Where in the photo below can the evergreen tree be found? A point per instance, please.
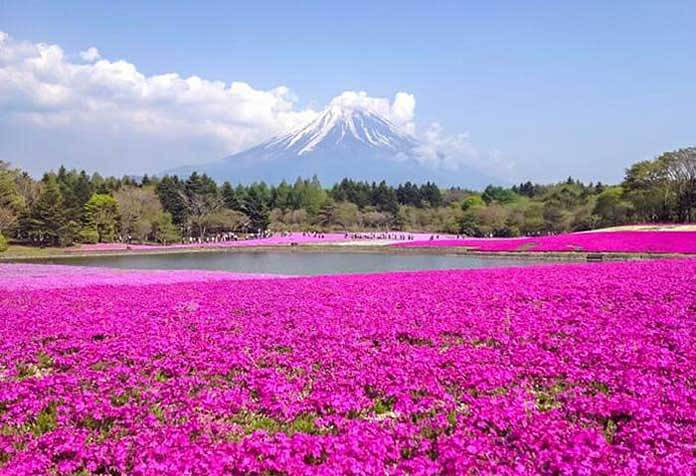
(431, 193)
(45, 223)
(384, 198)
(409, 194)
(229, 197)
(76, 190)
(255, 206)
(281, 196)
(170, 191)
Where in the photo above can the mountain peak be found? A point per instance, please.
(350, 138)
(343, 106)
(345, 124)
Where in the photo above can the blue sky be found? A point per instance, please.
(554, 88)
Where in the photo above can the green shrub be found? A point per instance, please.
(3, 243)
(89, 235)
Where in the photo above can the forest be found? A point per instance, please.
(69, 206)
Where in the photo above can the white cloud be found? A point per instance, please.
(143, 123)
(456, 152)
(105, 115)
(400, 111)
(443, 151)
(403, 111)
(91, 54)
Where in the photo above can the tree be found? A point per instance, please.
(474, 200)
(646, 187)
(281, 196)
(295, 219)
(82, 189)
(200, 199)
(445, 219)
(225, 220)
(255, 206)
(45, 223)
(663, 189)
(347, 190)
(680, 169)
(384, 198)
(556, 216)
(494, 193)
(229, 197)
(307, 194)
(405, 218)
(611, 208)
(12, 204)
(326, 216)
(533, 223)
(171, 192)
(527, 189)
(430, 194)
(75, 190)
(584, 218)
(101, 215)
(347, 215)
(138, 208)
(409, 194)
(8, 219)
(471, 221)
(375, 219)
(54, 211)
(494, 220)
(163, 229)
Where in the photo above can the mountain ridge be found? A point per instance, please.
(342, 142)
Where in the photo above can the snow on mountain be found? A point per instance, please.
(344, 141)
(339, 125)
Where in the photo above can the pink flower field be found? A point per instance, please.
(560, 369)
(614, 241)
(16, 277)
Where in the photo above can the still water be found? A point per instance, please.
(296, 262)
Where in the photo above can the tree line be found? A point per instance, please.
(70, 206)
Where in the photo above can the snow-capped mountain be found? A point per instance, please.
(343, 141)
(344, 128)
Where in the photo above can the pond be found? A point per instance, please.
(295, 262)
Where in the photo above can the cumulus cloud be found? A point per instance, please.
(450, 152)
(106, 115)
(91, 54)
(455, 152)
(400, 111)
(141, 123)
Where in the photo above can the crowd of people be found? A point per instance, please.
(353, 236)
(349, 236)
(214, 238)
(394, 236)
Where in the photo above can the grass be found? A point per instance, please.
(22, 251)
(251, 422)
